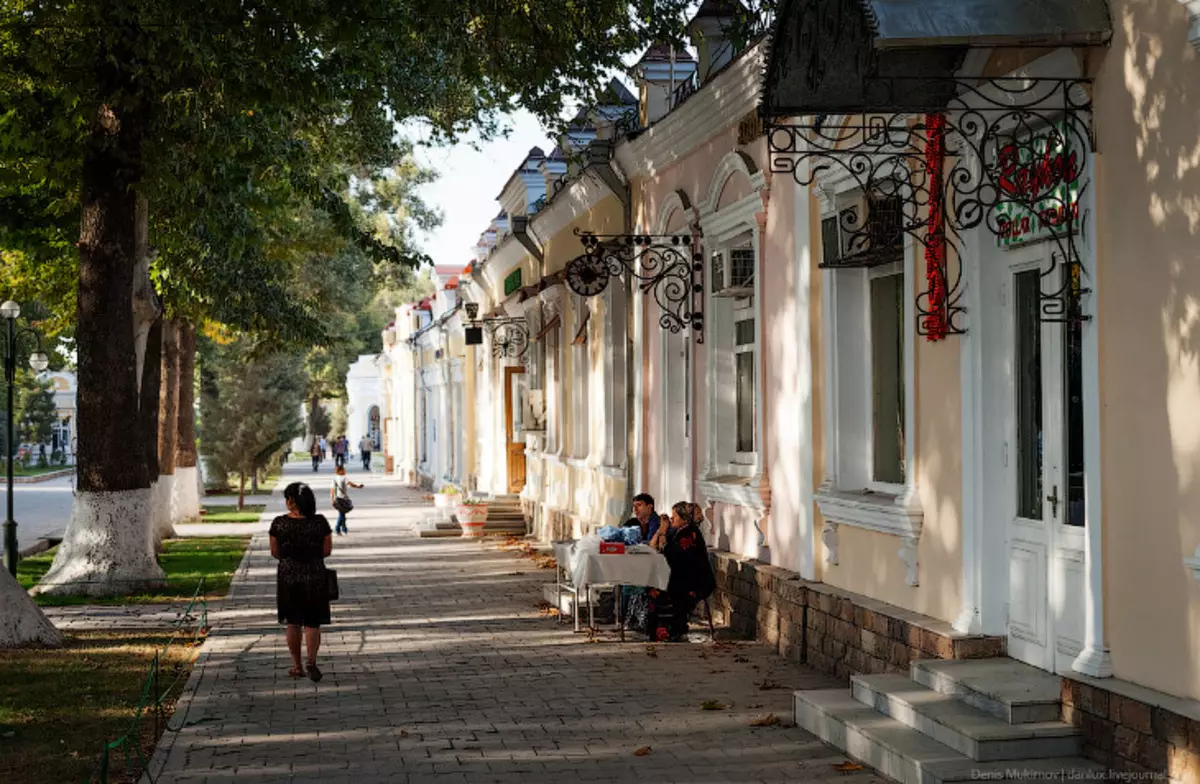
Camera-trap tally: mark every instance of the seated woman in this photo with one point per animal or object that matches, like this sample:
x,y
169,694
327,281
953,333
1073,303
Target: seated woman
x,y
692,580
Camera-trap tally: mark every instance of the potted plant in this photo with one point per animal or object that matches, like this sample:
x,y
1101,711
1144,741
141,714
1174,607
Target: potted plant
x,y
445,498
472,514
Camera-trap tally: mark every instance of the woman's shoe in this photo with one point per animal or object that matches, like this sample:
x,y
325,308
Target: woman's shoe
x,y
314,673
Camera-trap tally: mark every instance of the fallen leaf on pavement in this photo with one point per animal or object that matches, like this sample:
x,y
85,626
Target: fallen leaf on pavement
x,y
740,659
848,767
651,652
713,705
770,720
643,751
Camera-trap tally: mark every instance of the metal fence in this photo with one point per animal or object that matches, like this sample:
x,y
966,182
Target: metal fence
x,y
126,749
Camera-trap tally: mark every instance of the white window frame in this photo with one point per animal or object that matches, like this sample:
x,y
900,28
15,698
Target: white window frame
x,y
849,494
744,309
723,231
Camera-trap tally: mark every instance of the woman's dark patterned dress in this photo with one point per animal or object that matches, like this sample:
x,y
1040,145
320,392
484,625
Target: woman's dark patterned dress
x,y
692,581
301,593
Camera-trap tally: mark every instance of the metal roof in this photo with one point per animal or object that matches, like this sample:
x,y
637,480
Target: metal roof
x,y
902,23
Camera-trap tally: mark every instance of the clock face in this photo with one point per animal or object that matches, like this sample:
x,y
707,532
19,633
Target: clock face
x,y
587,275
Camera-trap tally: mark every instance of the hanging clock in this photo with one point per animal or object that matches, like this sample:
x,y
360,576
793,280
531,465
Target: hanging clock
x,y
587,275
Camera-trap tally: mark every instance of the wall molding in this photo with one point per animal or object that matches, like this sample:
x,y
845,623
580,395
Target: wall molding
x,y
900,516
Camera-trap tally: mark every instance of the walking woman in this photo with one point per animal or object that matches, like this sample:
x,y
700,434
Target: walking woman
x,y
339,496
315,454
301,540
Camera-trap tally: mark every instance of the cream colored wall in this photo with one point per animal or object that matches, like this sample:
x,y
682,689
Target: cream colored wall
x,y
1148,219
607,217
868,562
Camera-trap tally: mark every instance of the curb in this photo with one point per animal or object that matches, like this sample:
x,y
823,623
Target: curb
x,y
46,477
40,546
183,706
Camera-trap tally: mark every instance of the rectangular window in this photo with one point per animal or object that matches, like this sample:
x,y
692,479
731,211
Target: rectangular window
x,y
1026,306
744,384
717,273
887,377
1076,502
741,267
830,248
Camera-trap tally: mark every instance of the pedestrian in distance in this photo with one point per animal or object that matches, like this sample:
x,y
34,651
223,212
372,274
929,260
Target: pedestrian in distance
x,y
315,454
301,541
339,496
365,446
323,448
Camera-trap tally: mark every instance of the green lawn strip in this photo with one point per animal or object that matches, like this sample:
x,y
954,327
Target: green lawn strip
x,y
185,561
228,513
20,470
264,488
58,707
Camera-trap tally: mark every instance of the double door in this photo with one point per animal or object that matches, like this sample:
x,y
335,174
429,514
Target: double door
x,y
1043,499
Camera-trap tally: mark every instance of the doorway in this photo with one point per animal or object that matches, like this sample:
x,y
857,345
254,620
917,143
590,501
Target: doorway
x,y
514,430
1038,498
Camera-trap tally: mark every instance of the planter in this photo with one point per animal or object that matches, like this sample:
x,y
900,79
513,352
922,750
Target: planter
x,y
472,518
445,500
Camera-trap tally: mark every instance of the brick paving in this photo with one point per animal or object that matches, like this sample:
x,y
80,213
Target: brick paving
x,y
441,667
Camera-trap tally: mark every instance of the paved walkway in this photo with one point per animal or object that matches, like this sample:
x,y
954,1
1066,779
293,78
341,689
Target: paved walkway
x,y
441,667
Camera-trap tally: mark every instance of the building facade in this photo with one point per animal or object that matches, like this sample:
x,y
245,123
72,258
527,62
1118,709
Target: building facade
x,y
907,302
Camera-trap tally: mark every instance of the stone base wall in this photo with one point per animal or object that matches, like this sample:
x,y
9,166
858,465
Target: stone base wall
x,y
837,632
1131,729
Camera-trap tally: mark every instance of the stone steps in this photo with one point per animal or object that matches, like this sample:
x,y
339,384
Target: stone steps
x,y
961,727
950,721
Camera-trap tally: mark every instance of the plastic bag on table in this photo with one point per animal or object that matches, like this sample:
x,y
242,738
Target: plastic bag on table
x,y
610,533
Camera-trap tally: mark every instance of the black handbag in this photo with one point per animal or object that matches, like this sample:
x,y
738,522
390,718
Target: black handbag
x,y
331,584
343,505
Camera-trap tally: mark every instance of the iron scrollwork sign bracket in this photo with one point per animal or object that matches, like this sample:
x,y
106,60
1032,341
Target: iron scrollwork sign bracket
x,y
669,267
1005,154
510,337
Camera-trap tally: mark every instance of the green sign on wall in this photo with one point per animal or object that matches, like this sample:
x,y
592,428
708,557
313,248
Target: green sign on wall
x,y
512,282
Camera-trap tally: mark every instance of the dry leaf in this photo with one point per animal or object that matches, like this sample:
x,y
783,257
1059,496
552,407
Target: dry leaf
x,y
740,659
713,705
848,767
770,720
643,751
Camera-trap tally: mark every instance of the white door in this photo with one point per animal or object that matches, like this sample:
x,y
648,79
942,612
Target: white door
x,y
673,419
1044,453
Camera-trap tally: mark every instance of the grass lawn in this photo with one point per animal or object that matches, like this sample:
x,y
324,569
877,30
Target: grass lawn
x,y
215,558
58,707
228,513
264,487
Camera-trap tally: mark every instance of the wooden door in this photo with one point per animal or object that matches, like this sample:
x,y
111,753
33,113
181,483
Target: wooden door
x,y
514,435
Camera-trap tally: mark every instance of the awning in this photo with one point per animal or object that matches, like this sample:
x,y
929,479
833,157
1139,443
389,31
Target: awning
x,y
856,56
551,324
581,333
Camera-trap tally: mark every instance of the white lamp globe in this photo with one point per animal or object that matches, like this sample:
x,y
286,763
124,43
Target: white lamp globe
x,y
39,361
10,310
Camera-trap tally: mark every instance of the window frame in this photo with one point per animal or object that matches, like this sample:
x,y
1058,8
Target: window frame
x,y
581,377
725,230
891,269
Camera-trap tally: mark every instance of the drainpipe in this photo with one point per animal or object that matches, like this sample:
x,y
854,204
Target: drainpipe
x,y
416,433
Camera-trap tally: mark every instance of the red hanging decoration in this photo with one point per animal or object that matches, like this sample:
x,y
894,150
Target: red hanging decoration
x,y
934,320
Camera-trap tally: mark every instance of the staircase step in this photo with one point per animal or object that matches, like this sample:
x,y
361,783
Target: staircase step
x,y
905,755
1001,687
955,724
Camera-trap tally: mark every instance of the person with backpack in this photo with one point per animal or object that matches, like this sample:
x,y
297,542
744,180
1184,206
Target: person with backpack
x,y
339,495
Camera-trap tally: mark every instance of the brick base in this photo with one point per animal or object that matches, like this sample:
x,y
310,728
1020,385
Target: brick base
x,y
833,631
1130,732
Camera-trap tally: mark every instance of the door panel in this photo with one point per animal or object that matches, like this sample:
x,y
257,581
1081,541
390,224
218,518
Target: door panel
x,y
514,439
1046,585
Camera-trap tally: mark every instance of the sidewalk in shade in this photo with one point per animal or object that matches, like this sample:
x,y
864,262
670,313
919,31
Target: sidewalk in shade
x,y
441,666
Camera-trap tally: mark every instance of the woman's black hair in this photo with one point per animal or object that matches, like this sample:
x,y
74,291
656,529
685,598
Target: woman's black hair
x,y
302,496
689,512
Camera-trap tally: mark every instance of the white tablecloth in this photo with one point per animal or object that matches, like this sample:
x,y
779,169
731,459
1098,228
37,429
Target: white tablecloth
x,y
587,568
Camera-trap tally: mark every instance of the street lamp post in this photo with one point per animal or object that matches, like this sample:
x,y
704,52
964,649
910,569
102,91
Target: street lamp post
x,y
38,360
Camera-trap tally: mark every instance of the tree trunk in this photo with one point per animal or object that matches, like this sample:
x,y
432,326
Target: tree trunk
x,y
108,549
241,489
22,623
186,496
254,482
168,425
151,391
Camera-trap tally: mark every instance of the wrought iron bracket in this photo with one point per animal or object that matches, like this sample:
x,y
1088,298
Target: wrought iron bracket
x,y
510,336
1008,155
670,267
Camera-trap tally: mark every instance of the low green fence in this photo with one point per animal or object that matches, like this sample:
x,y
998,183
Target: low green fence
x,y
126,749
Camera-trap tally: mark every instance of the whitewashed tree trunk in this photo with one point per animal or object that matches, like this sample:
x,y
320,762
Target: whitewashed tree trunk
x,y
22,623
168,430
188,483
185,494
108,549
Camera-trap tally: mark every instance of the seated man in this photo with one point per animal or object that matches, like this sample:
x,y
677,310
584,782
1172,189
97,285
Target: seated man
x,y
644,516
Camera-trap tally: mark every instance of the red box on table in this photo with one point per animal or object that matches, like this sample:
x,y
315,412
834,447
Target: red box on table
x,y
612,548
